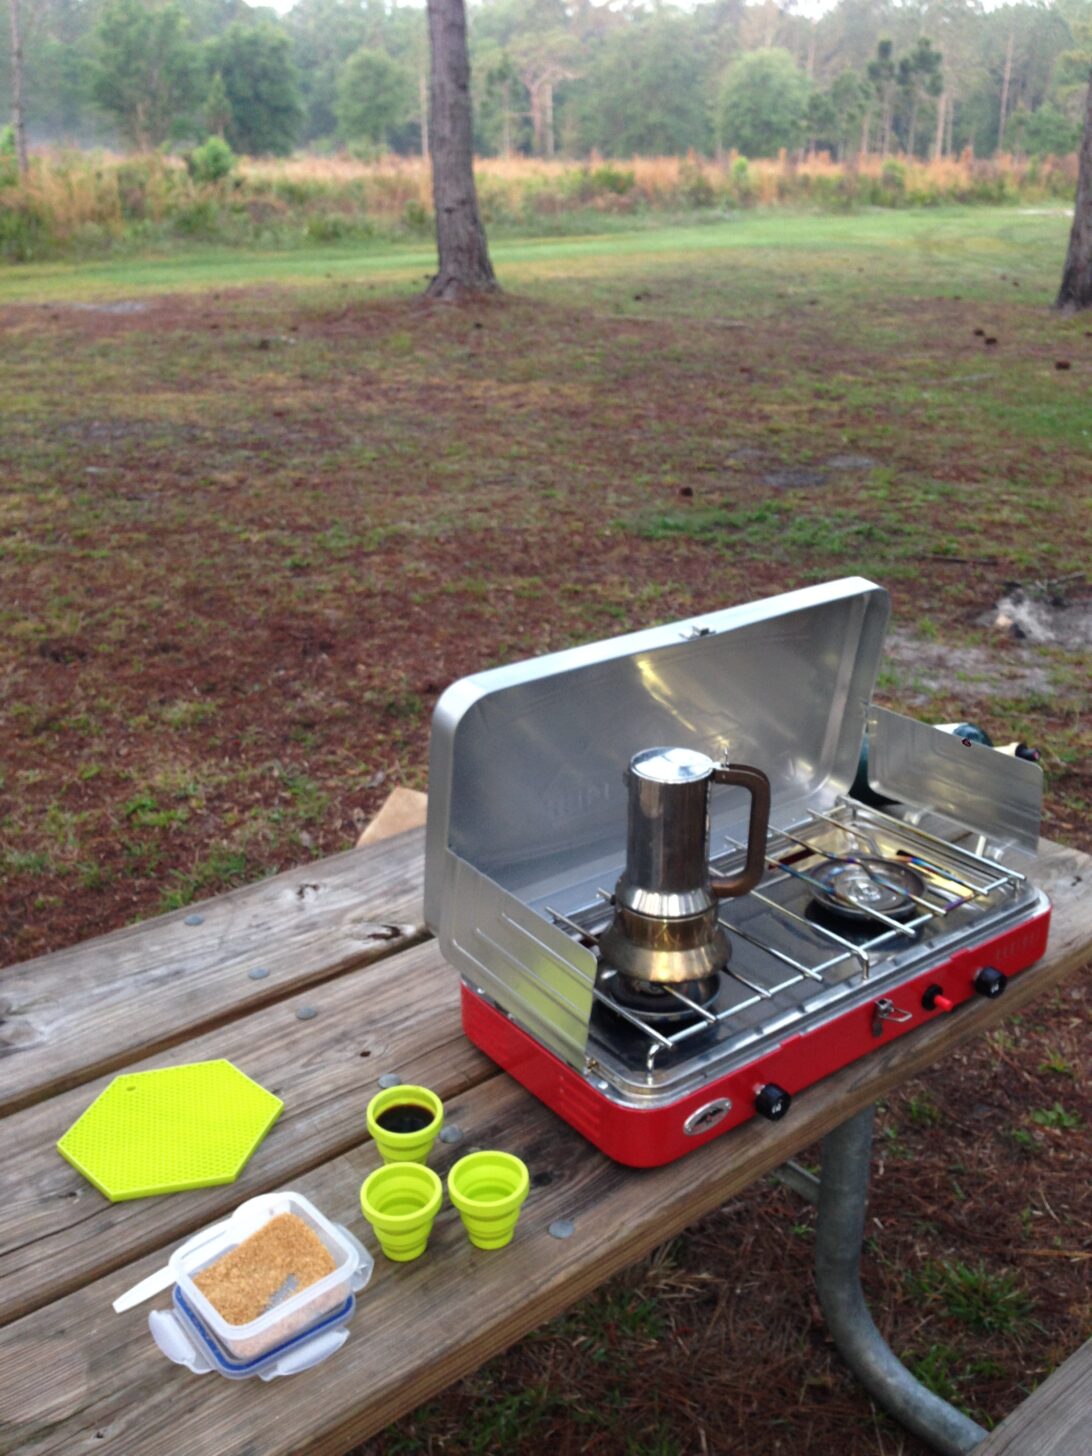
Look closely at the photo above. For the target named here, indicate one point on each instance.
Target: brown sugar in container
(282, 1258)
(267, 1274)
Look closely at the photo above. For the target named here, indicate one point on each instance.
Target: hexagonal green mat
(180, 1127)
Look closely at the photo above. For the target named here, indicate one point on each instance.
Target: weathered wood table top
(345, 937)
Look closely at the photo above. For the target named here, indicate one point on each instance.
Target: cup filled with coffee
(405, 1122)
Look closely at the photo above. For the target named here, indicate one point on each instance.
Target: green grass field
(955, 245)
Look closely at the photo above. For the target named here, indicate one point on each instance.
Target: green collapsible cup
(405, 1121)
(400, 1201)
(488, 1189)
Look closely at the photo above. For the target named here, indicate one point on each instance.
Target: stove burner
(658, 1011)
(867, 883)
(656, 1003)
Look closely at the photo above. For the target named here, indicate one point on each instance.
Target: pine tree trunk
(1076, 289)
(423, 102)
(538, 128)
(548, 116)
(938, 140)
(18, 124)
(1005, 79)
(460, 238)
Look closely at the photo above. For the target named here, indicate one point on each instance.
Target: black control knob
(772, 1101)
(990, 982)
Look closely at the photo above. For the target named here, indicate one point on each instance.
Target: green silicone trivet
(181, 1127)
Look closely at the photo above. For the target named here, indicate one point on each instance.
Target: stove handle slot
(758, 786)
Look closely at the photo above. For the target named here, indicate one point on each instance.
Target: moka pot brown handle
(758, 786)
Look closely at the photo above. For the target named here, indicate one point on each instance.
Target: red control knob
(934, 999)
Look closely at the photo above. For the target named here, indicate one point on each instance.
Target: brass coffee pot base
(665, 952)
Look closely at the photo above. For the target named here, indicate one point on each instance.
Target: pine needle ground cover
(257, 511)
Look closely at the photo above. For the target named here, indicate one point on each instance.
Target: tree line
(924, 77)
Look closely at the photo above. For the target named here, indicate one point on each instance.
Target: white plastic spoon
(154, 1284)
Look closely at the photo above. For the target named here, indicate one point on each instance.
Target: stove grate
(956, 880)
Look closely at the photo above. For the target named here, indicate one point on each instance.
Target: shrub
(741, 188)
(198, 219)
(584, 186)
(608, 178)
(296, 192)
(133, 184)
(9, 167)
(495, 202)
(24, 230)
(416, 216)
(834, 194)
(893, 182)
(363, 149)
(212, 161)
(264, 212)
(695, 188)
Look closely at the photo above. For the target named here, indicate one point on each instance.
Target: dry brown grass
(86, 202)
(661, 180)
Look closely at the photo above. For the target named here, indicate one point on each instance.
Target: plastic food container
(295, 1331)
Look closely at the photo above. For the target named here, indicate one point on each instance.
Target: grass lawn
(960, 242)
(256, 511)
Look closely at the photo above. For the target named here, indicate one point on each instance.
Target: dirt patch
(925, 670)
(114, 306)
(794, 478)
(851, 462)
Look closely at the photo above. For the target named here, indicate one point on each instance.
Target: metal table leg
(843, 1193)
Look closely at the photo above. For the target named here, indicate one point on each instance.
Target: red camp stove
(667, 909)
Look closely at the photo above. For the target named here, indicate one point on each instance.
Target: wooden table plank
(58, 1232)
(423, 1325)
(1054, 1420)
(68, 1017)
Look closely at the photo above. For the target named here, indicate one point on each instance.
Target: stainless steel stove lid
(527, 761)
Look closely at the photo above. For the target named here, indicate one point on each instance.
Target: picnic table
(343, 938)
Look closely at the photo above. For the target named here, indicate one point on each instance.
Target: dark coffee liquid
(405, 1117)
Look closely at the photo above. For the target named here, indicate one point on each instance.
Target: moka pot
(665, 930)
